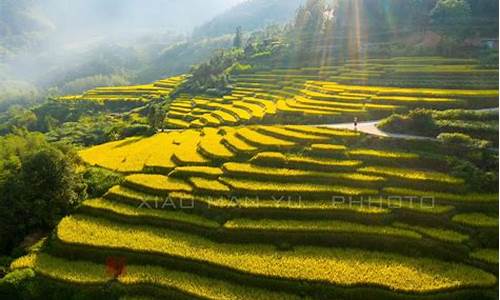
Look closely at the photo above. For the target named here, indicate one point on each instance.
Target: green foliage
(470, 115)
(38, 184)
(212, 76)
(451, 16)
(82, 84)
(489, 59)
(99, 181)
(238, 68)
(475, 178)
(17, 284)
(252, 15)
(92, 130)
(54, 187)
(418, 122)
(331, 29)
(156, 117)
(178, 58)
(17, 92)
(22, 284)
(487, 255)
(465, 127)
(17, 117)
(238, 38)
(460, 139)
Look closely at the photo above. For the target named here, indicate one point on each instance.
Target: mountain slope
(251, 15)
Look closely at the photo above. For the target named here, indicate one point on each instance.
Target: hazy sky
(80, 25)
(101, 17)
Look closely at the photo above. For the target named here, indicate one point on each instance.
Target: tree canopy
(38, 185)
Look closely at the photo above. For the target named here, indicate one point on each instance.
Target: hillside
(216, 190)
(250, 15)
(367, 90)
(337, 157)
(259, 208)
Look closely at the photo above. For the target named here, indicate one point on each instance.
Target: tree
(309, 27)
(238, 40)
(51, 187)
(451, 17)
(156, 117)
(212, 76)
(250, 48)
(21, 117)
(38, 186)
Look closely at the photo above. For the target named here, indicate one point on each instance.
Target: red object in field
(115, 266)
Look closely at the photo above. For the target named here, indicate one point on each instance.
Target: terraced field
(279, 212)
(138, 94)
(369, 89)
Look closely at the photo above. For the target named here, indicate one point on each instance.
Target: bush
(463, 140)
(238, 68)
(136, 130)
(15, 285)
(475, 178)
(489, 59)
(99, 181)
(4, 265)
(418, 122)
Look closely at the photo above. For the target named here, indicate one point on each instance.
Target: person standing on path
(356, 123)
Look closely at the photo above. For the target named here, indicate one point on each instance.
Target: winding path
(371, 128)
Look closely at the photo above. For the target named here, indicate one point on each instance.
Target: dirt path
(371, 128)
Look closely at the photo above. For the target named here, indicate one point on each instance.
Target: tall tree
(156, 117)
(452, 17)
(238, 39)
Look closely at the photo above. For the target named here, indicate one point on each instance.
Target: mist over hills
(250, 15)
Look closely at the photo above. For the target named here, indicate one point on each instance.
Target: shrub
(238, 68)
(15, 284)
(462, 140)
(136, 130)
(417, 122)
(489, 59)
(100, 180)
(475, 178)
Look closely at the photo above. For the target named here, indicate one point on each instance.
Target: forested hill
(385, 19)
(250, 15)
